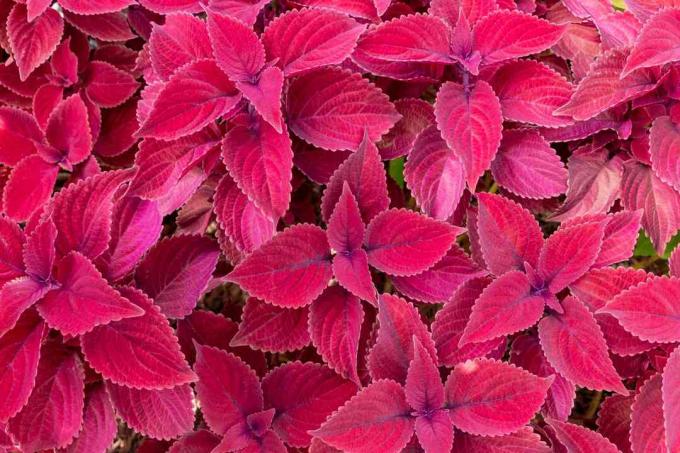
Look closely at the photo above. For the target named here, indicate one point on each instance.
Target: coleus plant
(324, 225)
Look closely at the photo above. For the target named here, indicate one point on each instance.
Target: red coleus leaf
(265, 96)
(94, 6)
(17, 296)
(657, 43)
(274, 329)
(99, 422)
(401, 242)
(106, 27)
(195, 442)
(671, 399)
(664, 140)
(171, 6)
(331, 108)
(578, 438)
(244, 10)
(399, 322)
(416, 116)
(160, 414)
(53, 415)
(304, 395)
(647, 431)
(613, 420)
(306, 39)
(176, 272)
(83, 299)
(29, 187)
(227, 388)
(574, 346)
(193, 96)
(19, 136)
(33, 42)
(470, 121)
(376, 418)
(20, 352)
(472, 10)
(487, 397)
(527, 166)
(39, 251)
(141, 352)
(68, 132)
(236, 47)
(435, 175)
(290, 270)
(108, 86)
(11, 253)
(524, 440)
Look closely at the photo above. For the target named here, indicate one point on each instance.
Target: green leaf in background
(644, 246)
(396, 171)
(619, 4)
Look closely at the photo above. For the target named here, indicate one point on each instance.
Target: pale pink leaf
(647, 431)
(657, 44)
(618, 29)
(99, 423)
(470, 121)
(581, 439)
(671, 399)
(664, 148)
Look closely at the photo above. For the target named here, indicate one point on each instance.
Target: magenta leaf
(94, 6)
(335, 320)
(29, 187)
(19, 136)
(345, 228)
(195, 442)
(423, 387)
(99, 422)
(613, 420)
(13, 239)
(472, 10)
(306, 39)
(17, 296)
(416, 116)
(362, 9)
(574, 345)
(270, 328)
(671, 399)
(664, 140)
(160, 414)
(647, 431)
(403, 250)
(237, 48)
(244, 10)
(265, 95)
(106, 27)
(524, 440)
(39, 251)
(176, 272)
(657, 43)
(108, 86)
(293, 278)
(471, 123)
(141, 352)
(488, 397)
(578, 438)
(227, 388)
(304, 395)
(330, 108)
(53, 415)
(376, 418)
(33, 42)
(67, 131)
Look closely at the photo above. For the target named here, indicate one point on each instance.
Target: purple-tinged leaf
(159, 414)
(12, 239)
(435, 175)
(290, 270)
(109, 27)
(473, 10)
(401, 242)
(29, 187)
(491, 398)
(202, 441)
(270, 328)
(331, 108)
(574, 345)
(647, 431)
(581, 439)
(141, 352)
(265, 95)
(670, 389)
(68, 132)
(657, 43)
(237, 48)
(524, 440)
(20, 135)
(362, 9)
(376, 418)
(88, 7)
(470, 121)
(17, 296)
(399, 322)
(39, 251)
(99, 423)
(345, 228)
(107, 86)
(244, 10)
(613, 420)
(664, 149)
(527, 166)
(423, 387)
(416, 116)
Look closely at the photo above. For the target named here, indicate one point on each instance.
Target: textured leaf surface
(237, 48)
(657, 44)
(99, 422)
(578, 438)
(671, 399)
(647, 431)
(524, 440)
(94, 6)
(664, 149)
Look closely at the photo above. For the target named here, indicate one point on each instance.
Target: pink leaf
(106, 27)
(260, 160)
(401, 242)
(364, 173)
(503, 35)
(160, 414)
(345, 228)
(29, 187)
(303, 394)
(245, 224)
(423, 387)
(141, 352)
(269, 328)
(620, 236)
(581, 439)
(83, 299)
(54, 412)
(94, 6)
(331, 108)
(435, 431)
(33, 42)
(19, 135)
(488, 397)
(19, 352)
(568, 254)
(613, 420)
(108, 86)
(603, 88)
(450, 321)
(506, 306)
(416, 116)
(183, 38)
(649, 310)
(244, 10)
(647, 431)
(375, 419)
(39, 251)
(317, 164)
(68, 131)
(237, 48)
(399, 322)
(664, 143)
(574, 346)
(99, 423)
(227, 388)
(671, 399)
(171, 6)
(362, 9)
(17, 296)
(335, 320)
(202, 441)
(527, 166)
(642, 189)
(307, 39)
(265, 95)
(176, 272)
(509, 235)
(534, 96)
(193, 97)
(64, 63)
(472, 10)
(435, 175)
(11, 253)
(524, 440)
(471, 123)
(118, 130)
(438, 284)
(657, 43)
(290, 270)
